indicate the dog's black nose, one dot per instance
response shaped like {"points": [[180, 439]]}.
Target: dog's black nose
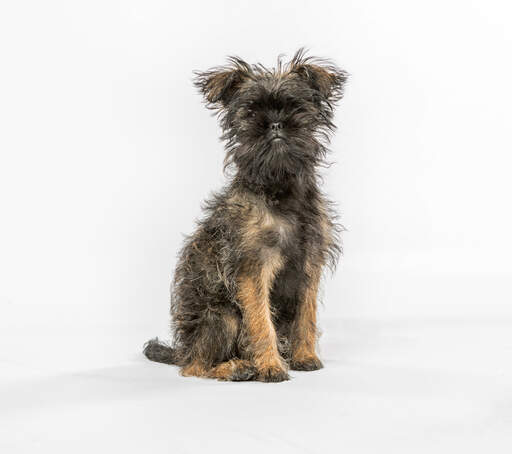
{"points": [[276, 126]]}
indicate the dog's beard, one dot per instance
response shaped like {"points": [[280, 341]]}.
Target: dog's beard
{"points": [[273, 162]]}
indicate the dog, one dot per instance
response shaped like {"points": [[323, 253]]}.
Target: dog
{"points": [[244, 293]]}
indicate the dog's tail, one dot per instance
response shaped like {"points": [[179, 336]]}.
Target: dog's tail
{"points": [[160, 352]]}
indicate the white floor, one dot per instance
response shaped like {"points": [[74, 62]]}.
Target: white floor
{"points": [[397, 386]]}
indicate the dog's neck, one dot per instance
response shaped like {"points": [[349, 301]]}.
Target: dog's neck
{"points": [[274, 192]]}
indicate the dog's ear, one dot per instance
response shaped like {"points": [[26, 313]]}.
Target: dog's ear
{"points": [[321, 75], [219, 85]]}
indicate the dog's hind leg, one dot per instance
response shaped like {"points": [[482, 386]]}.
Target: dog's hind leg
{"points": [[232, 370], [214, 351]]}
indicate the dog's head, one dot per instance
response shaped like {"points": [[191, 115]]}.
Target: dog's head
{"points": [[276, 121]]}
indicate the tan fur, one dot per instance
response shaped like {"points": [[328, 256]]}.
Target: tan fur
{"points": [[304, 326], [253, 294], [259, 220], [194, 370], [232, 325], [229, 369]]}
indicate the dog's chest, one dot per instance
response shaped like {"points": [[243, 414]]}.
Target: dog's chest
{"points": [[287, 225], [278, 231], [276, 228]]}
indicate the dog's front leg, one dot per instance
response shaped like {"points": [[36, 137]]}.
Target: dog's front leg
{"points": [[303, 331], [254, 288]]}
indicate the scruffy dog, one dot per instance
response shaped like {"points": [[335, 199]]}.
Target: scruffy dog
{"points": [[244, 294]]}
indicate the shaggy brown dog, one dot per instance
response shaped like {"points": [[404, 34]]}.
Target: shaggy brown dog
{"points": [[244, 295]]}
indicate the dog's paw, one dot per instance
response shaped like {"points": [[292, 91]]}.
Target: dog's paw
{"points": [[306, 364], [244, 372], [272, 374]]}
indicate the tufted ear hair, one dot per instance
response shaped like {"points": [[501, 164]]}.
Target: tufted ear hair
{"points": [[321, 75], [219, 85]]}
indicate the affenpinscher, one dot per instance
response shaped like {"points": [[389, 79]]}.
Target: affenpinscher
{"points": [[244, 294]]}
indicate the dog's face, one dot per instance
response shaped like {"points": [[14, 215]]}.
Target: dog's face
{"points": [[276, 121]]}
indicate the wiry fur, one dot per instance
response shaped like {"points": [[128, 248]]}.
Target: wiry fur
{"points": [[244, 291]]}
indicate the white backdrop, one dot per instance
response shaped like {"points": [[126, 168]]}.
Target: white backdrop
{"points": [[106, 153]]}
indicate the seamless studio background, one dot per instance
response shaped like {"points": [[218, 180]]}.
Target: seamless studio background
{"points": [[106, 153]]}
